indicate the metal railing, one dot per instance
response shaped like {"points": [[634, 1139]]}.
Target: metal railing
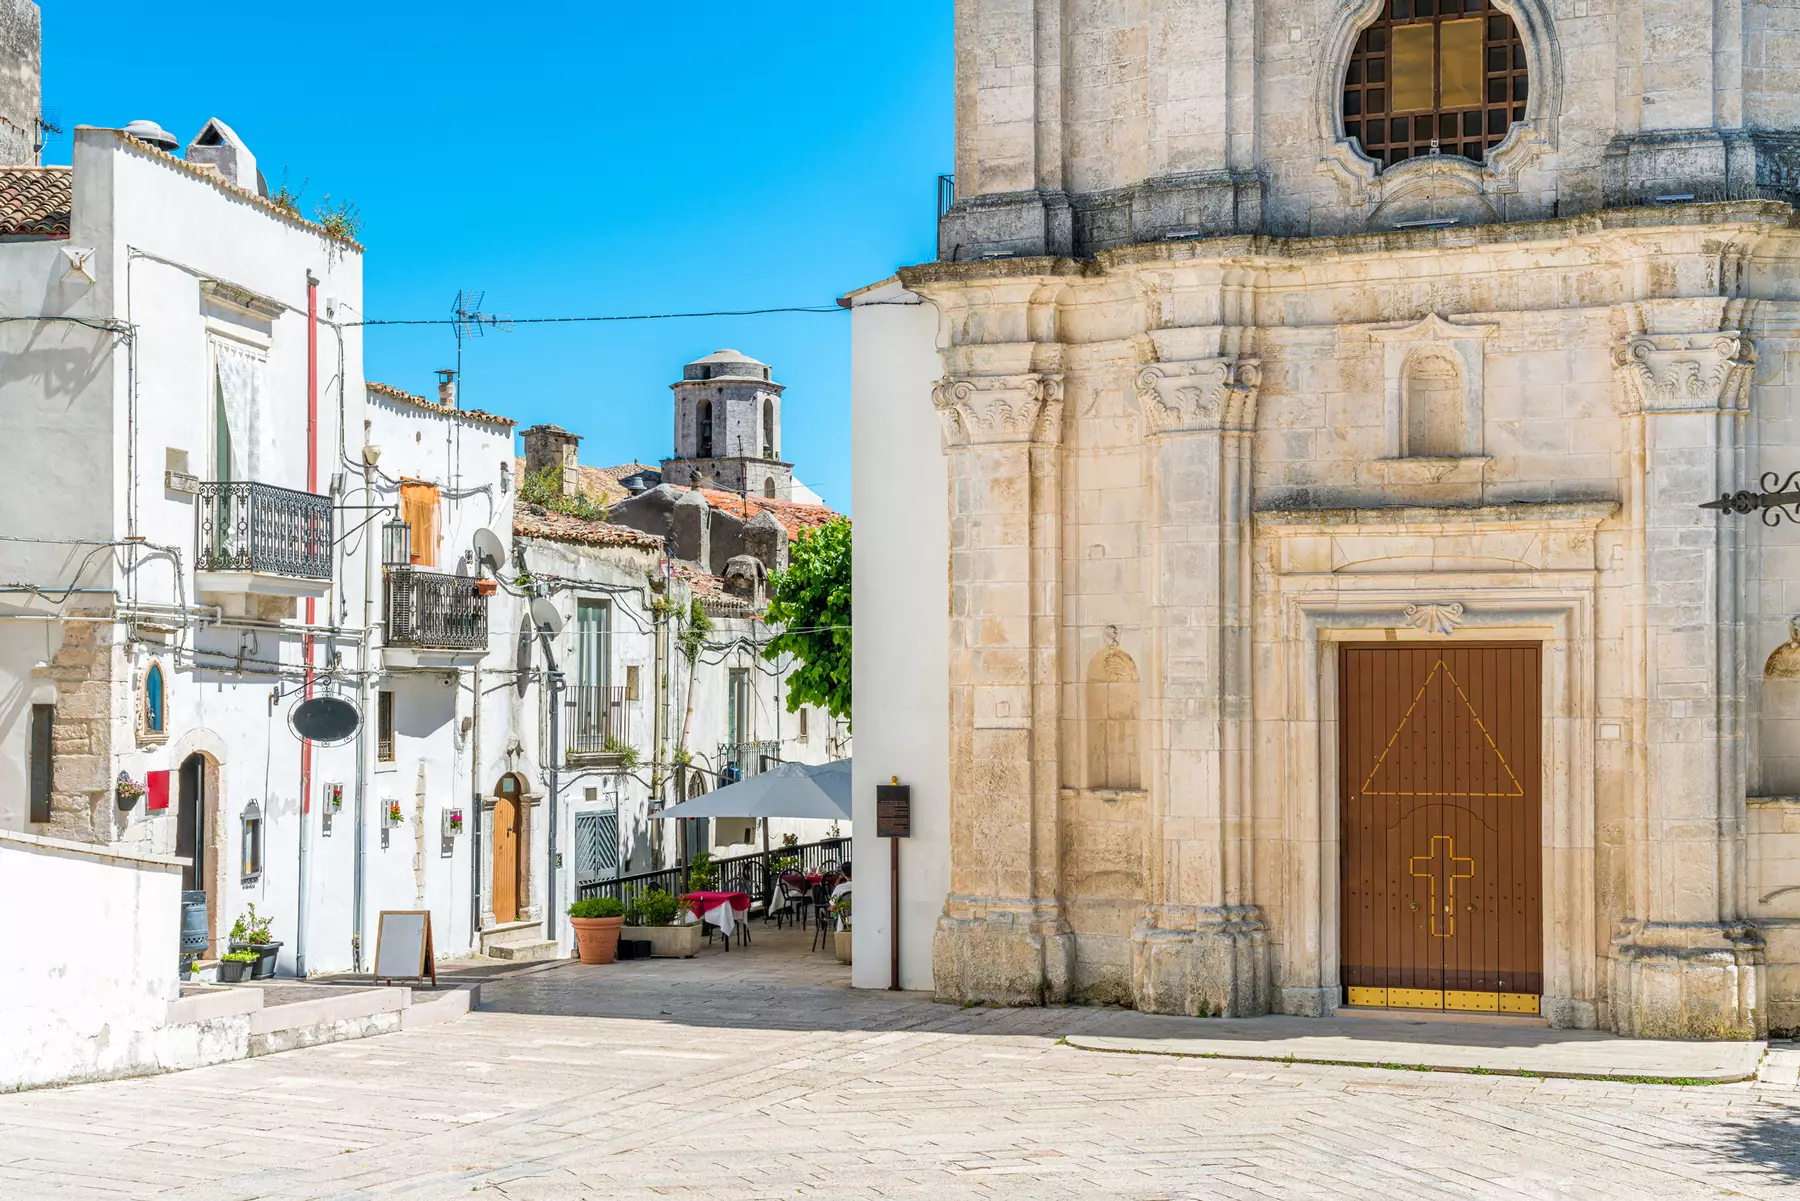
{"points": [[946, 194], [431, 609], [262, 528], [599, 720], [754, 873], [741, 760]]}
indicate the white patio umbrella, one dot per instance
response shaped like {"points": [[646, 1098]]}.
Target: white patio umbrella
{"points": [[820, 790]]}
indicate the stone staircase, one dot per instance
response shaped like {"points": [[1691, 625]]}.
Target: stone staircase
{"points": [[519, 942]]}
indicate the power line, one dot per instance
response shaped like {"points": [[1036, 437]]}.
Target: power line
{"points": [[820, 308]]}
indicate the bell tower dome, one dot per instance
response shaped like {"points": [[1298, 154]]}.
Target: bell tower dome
{"points": [[728, 428]]}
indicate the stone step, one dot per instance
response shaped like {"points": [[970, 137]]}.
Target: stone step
{"points": [[523, 952]]}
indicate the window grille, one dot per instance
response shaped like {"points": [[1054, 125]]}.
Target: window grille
{"points": [[384, 726], [596, 846], [1435, 77]]}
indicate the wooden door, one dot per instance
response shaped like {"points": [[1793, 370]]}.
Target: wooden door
{"points": [[506, 853], [1440, 800]]}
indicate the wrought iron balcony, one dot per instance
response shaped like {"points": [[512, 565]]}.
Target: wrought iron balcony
{"points": [[260, 529], [430, 610], [599, 720]]}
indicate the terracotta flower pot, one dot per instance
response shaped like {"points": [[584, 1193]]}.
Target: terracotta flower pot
{"points": [[597, 938], [840, 942]]}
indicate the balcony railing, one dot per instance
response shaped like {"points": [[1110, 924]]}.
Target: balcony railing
{"points": [[599, 720], [265, 529], [431, 610]]}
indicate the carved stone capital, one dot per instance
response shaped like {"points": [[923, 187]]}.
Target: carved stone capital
{"points": [[991, 410], [1199, 394], [1684, 373]]}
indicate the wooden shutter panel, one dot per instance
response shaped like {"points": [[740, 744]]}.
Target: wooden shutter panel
{"points": [[42, 769], [419, 507]]}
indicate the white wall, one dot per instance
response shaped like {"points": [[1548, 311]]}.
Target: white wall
{"points": [[902, 637], [81, 996]]}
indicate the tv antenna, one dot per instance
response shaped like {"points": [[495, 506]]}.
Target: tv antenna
{"points": [[46, 129], [471, 322]]}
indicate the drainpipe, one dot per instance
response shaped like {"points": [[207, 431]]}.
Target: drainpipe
{"points": [[556, 690], [474, 823], [362, 727], [312, 485]]}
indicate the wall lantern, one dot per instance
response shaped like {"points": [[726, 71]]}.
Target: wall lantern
{"points": [[396, 543]]}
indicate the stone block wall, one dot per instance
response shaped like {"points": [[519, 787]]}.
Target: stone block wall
{"points": [[85, 729]]}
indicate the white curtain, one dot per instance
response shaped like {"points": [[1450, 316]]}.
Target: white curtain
{"points": [[243, 391]]}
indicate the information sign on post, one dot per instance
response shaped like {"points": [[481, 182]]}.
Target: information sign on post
{"points": [[893, 821]]}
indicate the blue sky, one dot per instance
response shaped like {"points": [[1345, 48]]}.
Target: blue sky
{"points": [[600, 158]]}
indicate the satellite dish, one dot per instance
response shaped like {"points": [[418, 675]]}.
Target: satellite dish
{"points": [[490, 550], [328, 720], [545, 616]]}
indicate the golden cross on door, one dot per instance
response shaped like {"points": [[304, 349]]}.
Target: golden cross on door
{"points": [[1453, 869]]}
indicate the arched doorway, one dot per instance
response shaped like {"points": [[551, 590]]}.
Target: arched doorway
{"points": [[508, 808]]}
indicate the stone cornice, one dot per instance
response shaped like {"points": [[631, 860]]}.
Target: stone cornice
{"points": [[996, 410], [1199, 395], [1578, 515], [1684, 373]]}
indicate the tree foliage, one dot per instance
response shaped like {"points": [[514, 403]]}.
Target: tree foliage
{"points": [[810, 602]]}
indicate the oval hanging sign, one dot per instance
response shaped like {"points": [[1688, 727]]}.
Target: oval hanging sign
{"points": [[325, 719]]}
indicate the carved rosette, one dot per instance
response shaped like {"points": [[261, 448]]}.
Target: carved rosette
{"points": [[994, 410], [1202, 394], [1684, 373]]}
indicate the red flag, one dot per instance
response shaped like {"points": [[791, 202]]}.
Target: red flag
{"points": [[158, 791]]}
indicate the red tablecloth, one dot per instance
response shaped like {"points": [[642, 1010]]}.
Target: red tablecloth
{"points": [[703, 903]]}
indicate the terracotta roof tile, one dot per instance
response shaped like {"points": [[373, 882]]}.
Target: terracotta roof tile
{"points": [[36, 200], [390, 392], [796, 516], [561, 528]]}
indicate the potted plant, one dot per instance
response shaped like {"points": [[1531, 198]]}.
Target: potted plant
{"points": [[234, 964], [653, 921], [703, 873], [394, 815], [840, 937], [485, 587], [128, 790], [597, 922], [251, 933]]}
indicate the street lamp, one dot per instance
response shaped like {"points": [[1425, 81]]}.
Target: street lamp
{"points": [[396, 543]]}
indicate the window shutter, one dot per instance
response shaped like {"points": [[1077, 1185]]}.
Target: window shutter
{"points": [[41, 765]]}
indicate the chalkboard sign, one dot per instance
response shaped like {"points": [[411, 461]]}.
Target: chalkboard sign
{"points": [[403, 948], [893, 811]]}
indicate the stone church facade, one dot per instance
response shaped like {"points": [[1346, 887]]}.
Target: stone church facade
{"points": [[1280, 337]]}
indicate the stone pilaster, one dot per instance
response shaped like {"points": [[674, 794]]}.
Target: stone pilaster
{"points": [[1685, 963], [1002, 937], [1201, 946]]}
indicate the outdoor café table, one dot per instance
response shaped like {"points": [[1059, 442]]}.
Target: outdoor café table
{"points": [[722, 909]]}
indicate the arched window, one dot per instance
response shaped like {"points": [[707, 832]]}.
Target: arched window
{"points": [[768, 429], [769, 487], [704, 419], [1434, 408], [1435, 76], [154, 712], [1112, 721]]}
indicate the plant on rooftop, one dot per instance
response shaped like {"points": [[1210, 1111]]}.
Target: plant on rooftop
{"points": [[624, 752], [341, 220], [810, 603], [288, 196], [544, 488]]}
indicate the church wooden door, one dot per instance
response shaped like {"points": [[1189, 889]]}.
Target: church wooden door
{"points": [[1439, 780]]}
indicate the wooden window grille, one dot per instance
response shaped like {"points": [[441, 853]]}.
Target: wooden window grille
{"points": [[384, 726], [1435, 77]]}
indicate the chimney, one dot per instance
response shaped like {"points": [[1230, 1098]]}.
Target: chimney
{"points": [[447, 387], [690, 530], [552, 446], [217, 146], [767, 539]]}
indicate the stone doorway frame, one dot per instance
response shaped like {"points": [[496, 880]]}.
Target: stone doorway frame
{"points": [[1319, 613], [215, 874]]}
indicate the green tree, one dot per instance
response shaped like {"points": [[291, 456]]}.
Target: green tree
{"points": [[810, 602]]}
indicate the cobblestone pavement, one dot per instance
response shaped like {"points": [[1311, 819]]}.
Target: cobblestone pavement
{"points": [[723, 1077]]}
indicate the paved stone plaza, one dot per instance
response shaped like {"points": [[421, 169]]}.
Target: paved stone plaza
{"points": [[759, 1073]]}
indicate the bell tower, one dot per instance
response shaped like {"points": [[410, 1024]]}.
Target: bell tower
{"points": [[728, 428]]}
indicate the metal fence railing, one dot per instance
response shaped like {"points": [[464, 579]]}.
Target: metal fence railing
{"points": [[599, 719], [243, 526], [431, 609], [754, 873]]}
